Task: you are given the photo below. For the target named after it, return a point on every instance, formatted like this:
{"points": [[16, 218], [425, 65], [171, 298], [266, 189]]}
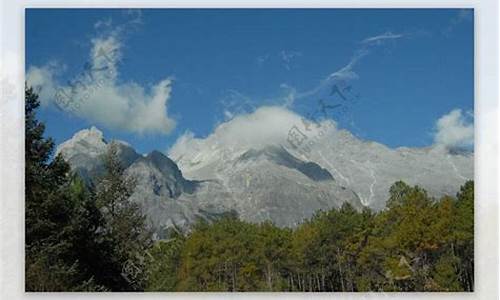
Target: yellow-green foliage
{"points": [[416, 244]]}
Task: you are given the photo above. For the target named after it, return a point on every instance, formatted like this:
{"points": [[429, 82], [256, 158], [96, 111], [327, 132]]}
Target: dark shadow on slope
{"points": [[280, 156]]}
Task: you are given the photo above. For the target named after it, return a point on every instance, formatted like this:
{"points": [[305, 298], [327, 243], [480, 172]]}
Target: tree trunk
{"points": [[269, 277], [340, 270]]}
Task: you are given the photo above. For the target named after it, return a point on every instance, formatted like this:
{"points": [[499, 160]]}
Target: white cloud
{"points": [[454, 130], [97, 95], [43, 78], [268, 125], [379, 38]]}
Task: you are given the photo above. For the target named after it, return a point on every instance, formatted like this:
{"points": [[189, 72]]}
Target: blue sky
{"points": [[417, 66]]}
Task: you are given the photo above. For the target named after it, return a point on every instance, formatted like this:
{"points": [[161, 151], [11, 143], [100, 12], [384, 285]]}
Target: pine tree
{"points": [[464, 233], [125, 232], [52, 253]]}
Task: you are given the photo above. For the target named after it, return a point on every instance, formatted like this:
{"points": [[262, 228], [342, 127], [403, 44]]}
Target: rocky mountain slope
{"points": [[365, 167], [265, 183]]}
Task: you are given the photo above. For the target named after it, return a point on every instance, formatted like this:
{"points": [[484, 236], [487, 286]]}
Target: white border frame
{"points": [[486, 143]]}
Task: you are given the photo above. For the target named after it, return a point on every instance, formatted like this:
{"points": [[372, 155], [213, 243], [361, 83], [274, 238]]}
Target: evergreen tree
{"points": [[464, 235], [125, 236], [52, 215]]}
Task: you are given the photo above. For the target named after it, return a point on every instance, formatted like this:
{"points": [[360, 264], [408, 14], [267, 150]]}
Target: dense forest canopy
{"points": [[81, 238]]}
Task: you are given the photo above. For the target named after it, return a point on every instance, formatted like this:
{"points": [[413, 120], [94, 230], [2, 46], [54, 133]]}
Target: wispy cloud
{"points": [[381, 37], [236, 103], [345, 73], [262, 59], [287, 58], [289, 94], [106, 23], [135, 16], [463, 15], [99, 97]]}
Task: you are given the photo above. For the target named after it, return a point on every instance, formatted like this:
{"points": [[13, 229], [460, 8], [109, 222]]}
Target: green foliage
{"points": [[163, 262], [445, 274], [416, 244], [397, 194], [219, 257], [463, 230], [57, 215], [123, 235], [77, 239]]}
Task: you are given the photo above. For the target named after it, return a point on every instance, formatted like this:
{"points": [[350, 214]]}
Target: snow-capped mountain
{"points": [[271, 184], [85, 149], [259, 184], [268, 165], [370, 168], [365, 167]]}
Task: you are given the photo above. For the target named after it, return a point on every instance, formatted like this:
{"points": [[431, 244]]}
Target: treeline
{"points": [[417, 244], [81, 238]]}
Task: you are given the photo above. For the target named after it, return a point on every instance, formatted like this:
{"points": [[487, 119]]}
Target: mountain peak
{"points": [[166, 166], [91, 134], [156, 154], [89, 140], [280, 156]]}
